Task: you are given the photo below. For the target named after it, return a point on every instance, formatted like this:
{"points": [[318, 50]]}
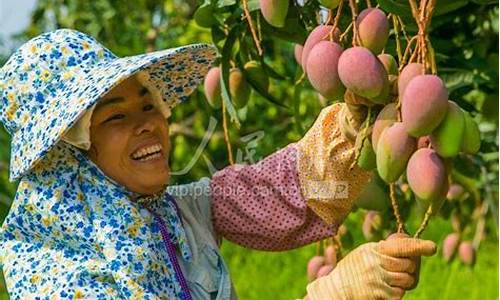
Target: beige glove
{"points": [[383, 270], [325, 155]]}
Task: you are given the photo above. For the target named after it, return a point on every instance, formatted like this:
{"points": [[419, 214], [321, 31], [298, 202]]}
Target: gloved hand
{"points": [[383, 270]]}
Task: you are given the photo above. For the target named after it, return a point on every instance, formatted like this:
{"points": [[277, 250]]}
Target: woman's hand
{"points": [[383, 270]]}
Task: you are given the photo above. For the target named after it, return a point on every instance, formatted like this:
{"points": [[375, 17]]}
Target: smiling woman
{"points": [[129, 138], [93, 216]]}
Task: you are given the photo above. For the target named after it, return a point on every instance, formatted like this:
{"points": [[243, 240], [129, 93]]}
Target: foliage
{"points": [[464, 36]]}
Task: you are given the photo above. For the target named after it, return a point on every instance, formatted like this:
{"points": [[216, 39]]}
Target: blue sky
{"points": [[14, 16]]}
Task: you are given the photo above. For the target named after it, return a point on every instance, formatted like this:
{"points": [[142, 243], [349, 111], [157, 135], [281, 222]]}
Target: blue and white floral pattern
{"points": [[73, 233], [49, 82]]}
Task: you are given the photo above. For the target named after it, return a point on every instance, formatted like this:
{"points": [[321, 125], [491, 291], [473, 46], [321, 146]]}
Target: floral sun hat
{"points": [[50, 82]]}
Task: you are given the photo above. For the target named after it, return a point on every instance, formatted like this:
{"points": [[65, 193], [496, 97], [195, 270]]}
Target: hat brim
{"points": [[176, 72]]}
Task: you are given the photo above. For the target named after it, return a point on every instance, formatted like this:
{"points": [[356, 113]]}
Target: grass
{"points": [[267, 275]]}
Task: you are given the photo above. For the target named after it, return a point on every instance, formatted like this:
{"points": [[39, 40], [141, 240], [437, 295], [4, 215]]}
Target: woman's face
{"points": [[129, 139]]}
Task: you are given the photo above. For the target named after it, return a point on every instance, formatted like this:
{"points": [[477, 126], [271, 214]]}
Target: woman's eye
{"points": [[148, 107], [115, 117]]}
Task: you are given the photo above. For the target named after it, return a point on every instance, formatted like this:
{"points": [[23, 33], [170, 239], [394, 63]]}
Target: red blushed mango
{"points": [[467, 253], [386, 117], [450, 245], [373, 29], [239, 88], [274, 11], [424, 104], [297, 52], [322, 71], [320, 33], [455, 192], [471, 140], [313, 266], [389, 62], [446, 139], [371, 224], [426, 175], [325, 270], [394, 148], [407, 74], [361, 72], [212, 87]]}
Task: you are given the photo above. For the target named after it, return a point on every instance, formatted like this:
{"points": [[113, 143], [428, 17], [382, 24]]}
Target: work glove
{"points": [[382, 270]]}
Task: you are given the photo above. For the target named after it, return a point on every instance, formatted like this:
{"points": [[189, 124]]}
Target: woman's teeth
{"points": [[147, 153]]}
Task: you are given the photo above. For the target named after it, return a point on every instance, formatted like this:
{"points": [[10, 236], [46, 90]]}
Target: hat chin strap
{"points": [[79, 134]]}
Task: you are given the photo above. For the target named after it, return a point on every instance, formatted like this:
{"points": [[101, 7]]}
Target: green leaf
{"points": [[253, 5], [225, 69], [398, 7], [224, 3]]}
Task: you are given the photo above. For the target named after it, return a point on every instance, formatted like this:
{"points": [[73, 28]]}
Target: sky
{"points": [[14, 17]]}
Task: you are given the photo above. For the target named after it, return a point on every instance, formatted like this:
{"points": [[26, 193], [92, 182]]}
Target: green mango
{"points": [[446, 139], [471, 140], [257, 75], [375, 195], [204, 16], [367, 159], [331, 4]]}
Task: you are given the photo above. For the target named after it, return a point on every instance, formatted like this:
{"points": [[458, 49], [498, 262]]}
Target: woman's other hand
{"points": [[382, 270]]}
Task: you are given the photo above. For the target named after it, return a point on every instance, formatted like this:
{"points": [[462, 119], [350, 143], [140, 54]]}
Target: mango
{"points": [[371, 225], [320, 33], [467, 253], [446, 139], [239, 88], [313, 266], [407, 74], [322, 70], [386, 117], [257, 75], [330, 4], [204, 16], [361, 72], [426, 175], [389, 62], [213, 88], [424, 104], [450, 245], [297, 53], [374, 196], [471, 140], [274, 11], [373, 29], [394, 149], [367, 160], [325, 270], [455, 192]]}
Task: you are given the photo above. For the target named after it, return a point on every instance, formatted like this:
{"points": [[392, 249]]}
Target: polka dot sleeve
{"points": [[260, 206]]}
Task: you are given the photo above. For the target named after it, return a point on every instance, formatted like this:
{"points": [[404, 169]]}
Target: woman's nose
{"points": [[143, 124]]}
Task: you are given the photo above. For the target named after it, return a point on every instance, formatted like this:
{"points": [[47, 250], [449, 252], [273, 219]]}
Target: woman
{"points": [[93, 216]]}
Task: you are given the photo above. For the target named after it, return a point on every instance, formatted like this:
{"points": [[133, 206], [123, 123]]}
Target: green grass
{"points": [[267, 275]]}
